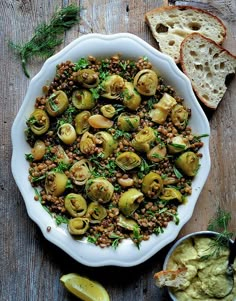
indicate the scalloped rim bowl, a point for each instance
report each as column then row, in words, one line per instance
column 98, row 45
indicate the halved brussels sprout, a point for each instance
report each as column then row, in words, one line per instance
column 179, row 116
column 96, row 212
column 39, row 150
column 109, row 144
column 75, row 204
column 38, row 122
column 127, row 122
column 112, row 86
column 88, row 78
column 152, row 185
column 143, row 139
column 108, row 111
column 99, row 189
column 131, row 98
column 128, row 160
column 55, row 183
column 157, row 153
column 67, row 133
column 57, row 103
column 130, row 200
column 83, row 99
column 146, row 82
column 81, row 122
column 80, row 172
column 188, row 163
column 177, row 144
column 127, row 223
column 78, row 225
column 162, row 108
column 61, row 155
column 98, row 121
column 87, row 143
column 171, row 194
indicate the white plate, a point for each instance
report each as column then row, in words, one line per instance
column 129, row 46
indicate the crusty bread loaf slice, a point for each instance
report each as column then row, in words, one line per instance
column 171, row 24
column 171, row 278
column 207, row 65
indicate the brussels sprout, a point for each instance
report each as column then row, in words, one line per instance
column 67, row 133
column 55, row 183
column 179, row 116
column 80, row 172
column 157, row 153
column 128, row 160
column 177, row 144
column 162, row 108
column 109, row 144
column 127, row 122
column 81, row 122
column 131, row 98
column 57, row 103
column 78, row 225
column 87, row 143
column 39, row 150
column 38, row 122
column 126, row 223
column 143, row 139
column 100, row 122
column 96, row 212
column 146, row 82
column 108, row 111
column 152, row 185
column 83, row 99
column 88, row 78
column 188, row 163
column 171, row 194
column 75, row 204
column 99, row 189
column 112, row 86
column 130, row 200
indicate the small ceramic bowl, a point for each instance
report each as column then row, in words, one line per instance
column 207, row 234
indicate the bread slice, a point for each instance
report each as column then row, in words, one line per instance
column 171, row 278
column 171, row 24
column 207, row 65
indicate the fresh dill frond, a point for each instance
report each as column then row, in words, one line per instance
column 47, row 36
column 219, row 223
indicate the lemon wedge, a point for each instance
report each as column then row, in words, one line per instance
column 84, row 288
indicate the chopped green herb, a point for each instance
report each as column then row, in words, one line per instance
column 81, row 64
column 177, row 173
column 29, row 157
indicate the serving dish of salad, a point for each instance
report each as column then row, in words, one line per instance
column 113, row 148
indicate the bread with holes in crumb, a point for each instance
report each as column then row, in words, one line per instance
column 171, row 24
column 207, row 65
column 171, row 278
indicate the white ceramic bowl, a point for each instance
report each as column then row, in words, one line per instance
column 179, row 242
column 129, row 46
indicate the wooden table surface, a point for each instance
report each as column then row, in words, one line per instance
column 30, row 266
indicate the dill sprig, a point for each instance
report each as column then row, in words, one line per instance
column 219, row 223
column 47, row 36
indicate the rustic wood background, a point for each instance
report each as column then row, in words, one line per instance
column 30, row 266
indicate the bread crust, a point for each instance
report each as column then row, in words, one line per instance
column 184, row 68
column 160, row 10
column 170, row 278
